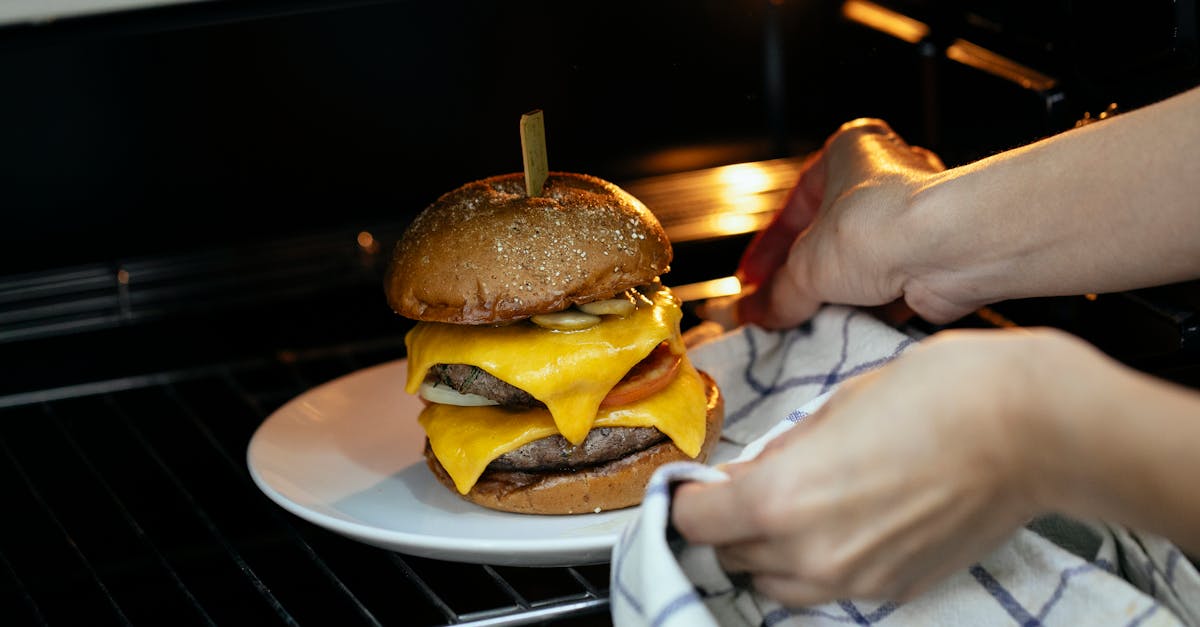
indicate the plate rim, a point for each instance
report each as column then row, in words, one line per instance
column 531, row 552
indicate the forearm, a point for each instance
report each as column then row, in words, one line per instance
column 1118, row 445
column 1110, row 206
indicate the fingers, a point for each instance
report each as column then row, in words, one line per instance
column 934, row 161
column 894, row 313
column 783, row 302
column 712, row 513
column 760, row 557
column 874, row 126
column 796, row 575
column 857, row 182
column 767, row 251
column 793, row 592
column 770, row 247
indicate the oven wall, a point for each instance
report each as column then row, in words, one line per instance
column 226, row 123
column 194, row 126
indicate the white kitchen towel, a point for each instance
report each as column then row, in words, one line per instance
column 1055, row 572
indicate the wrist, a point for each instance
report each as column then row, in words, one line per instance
column 1010, row 438
column 1026, row 421
column 1045, row 426
column 943, row 229
column 1070, row 419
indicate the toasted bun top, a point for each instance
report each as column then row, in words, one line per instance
column 487, row 253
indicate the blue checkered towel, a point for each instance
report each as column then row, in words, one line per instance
column 1055, row 571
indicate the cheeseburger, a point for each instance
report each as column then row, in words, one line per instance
column 547, row 351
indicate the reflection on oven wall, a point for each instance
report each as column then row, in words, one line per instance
column 182, row 127
column 994, row 75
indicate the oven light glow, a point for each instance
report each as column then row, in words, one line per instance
column 733, row 223
column 743, row 191
column 980, row 58
column 743, row 179
column 704, row 290
column 367, row 242
column 885, row 20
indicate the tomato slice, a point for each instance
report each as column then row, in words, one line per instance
column 649, row 376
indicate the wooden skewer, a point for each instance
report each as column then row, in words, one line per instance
column 533, row 149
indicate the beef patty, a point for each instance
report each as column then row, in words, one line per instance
column 602, row 444
column 466, row 379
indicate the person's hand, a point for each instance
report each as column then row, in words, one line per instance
column 838, row 237
column 907, row 474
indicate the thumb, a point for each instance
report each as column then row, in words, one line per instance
column 786, row 300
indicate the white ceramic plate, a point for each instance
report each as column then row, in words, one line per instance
column 347, row 456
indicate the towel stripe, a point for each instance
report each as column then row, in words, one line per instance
column 875, row 363
column 618, row 561
column 849, row 608
column 678, row 603
column 765, row 391
column 1063, row 579
column 832, row 378
column 1172, row 560
column 883, row 611
column 748, row 372
column 1003, row 597
column 1167, row 573
column 779, row 615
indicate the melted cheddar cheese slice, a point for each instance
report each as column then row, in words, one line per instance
column 466, row 439
column 569, row 371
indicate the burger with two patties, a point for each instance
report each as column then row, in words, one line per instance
column 547, row 351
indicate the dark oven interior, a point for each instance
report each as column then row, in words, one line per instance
column 200, row 199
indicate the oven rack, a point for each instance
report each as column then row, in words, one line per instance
column 129, row 502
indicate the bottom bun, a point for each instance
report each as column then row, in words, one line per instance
column 613, row 485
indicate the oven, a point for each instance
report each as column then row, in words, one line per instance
column 199, row 199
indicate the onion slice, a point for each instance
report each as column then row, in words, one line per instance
column 446, row 395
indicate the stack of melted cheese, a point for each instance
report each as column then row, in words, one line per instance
column 571, row 372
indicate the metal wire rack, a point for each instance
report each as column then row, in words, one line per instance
column 129, row 502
